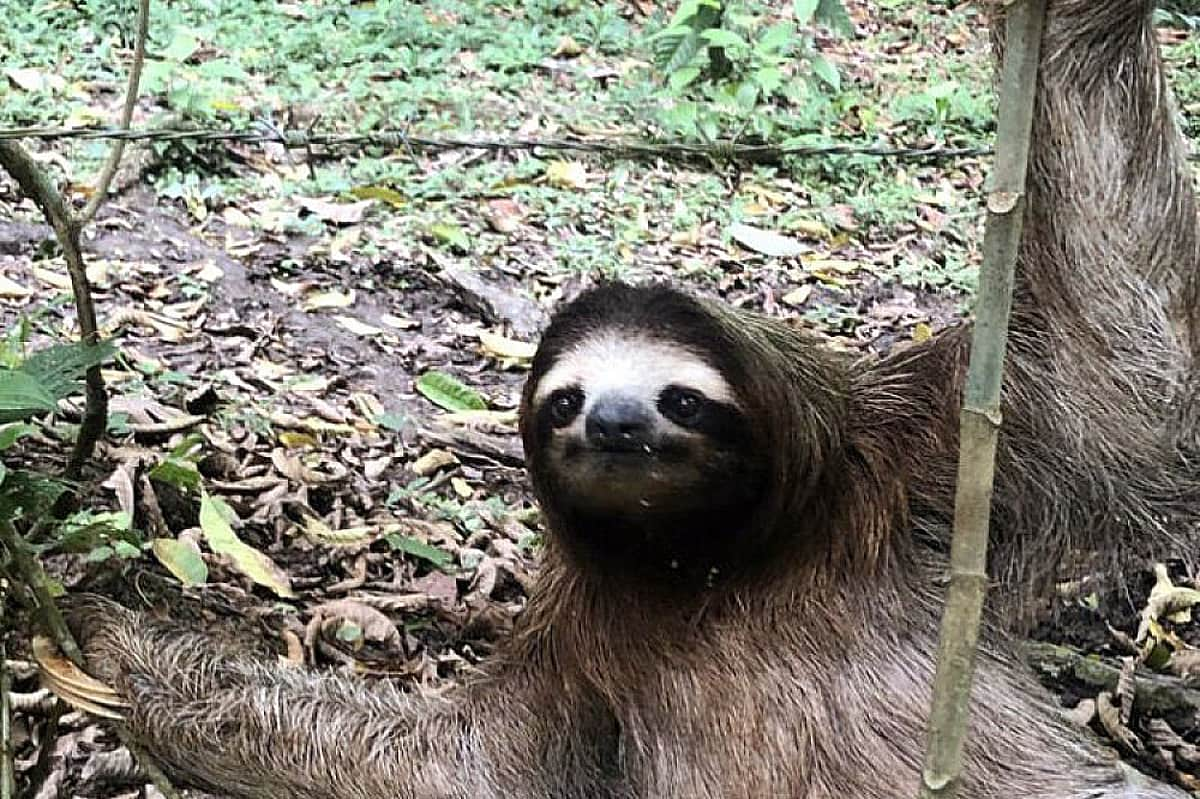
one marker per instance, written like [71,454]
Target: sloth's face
[635,426]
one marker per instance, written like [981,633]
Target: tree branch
[131,97]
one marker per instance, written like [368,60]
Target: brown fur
[804,670]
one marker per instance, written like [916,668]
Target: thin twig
[131,97]
[980,419]
[36,185]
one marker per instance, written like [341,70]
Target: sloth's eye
[681,405]
[565,405]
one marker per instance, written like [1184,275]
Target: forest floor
[297,330]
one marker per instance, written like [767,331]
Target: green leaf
[22,395]
[178,472]
[99,554]
[747,95]
[719,37]
[833,14]
[768,79]
[681,78]
[61,367]
[181,46]
[381,193]
[453,235]
[349,632]
[28,493]
[683,15]
[675,51]
[124,549]
[824,69]
[419,549]
[86,531]
[181,560]
[215,518]
[447,392]
[805,10]
[776,40]
[12,433]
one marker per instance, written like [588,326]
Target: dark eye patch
[683,406]
[720,422]
[562,406]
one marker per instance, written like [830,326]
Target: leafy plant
[36,384]
[721,62]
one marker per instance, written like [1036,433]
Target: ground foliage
[320,354]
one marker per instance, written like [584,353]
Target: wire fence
[308,140]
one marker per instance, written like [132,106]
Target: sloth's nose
[618,423]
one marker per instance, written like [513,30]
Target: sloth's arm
[247,726]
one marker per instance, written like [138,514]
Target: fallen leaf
[1166,600]
[432,461]
[58,280]
[182,559]
[356,327]
[34,80]
[221,539]
[797,297]
[451,234]
[765,241]
[294,440]
[13,290]
[210,272]
[236,217]
[411,546]
[832,265]
[329,299]
[338,213]
[506,348]
[374,625]
[567,47]
[504,215]
[566,174]
[810,227]
[448,392]
[381,193]
[321,532]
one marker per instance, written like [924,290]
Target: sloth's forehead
[633,364]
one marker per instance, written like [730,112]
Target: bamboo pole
[7,755]
[981,418]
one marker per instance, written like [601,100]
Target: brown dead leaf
[432,461]
[1166,600]
[1110,719]
[375,626]
[504,215]
[297,471]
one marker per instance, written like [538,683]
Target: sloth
[727,606]
[740,585]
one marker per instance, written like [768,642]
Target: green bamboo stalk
[981,418]
[7,755]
